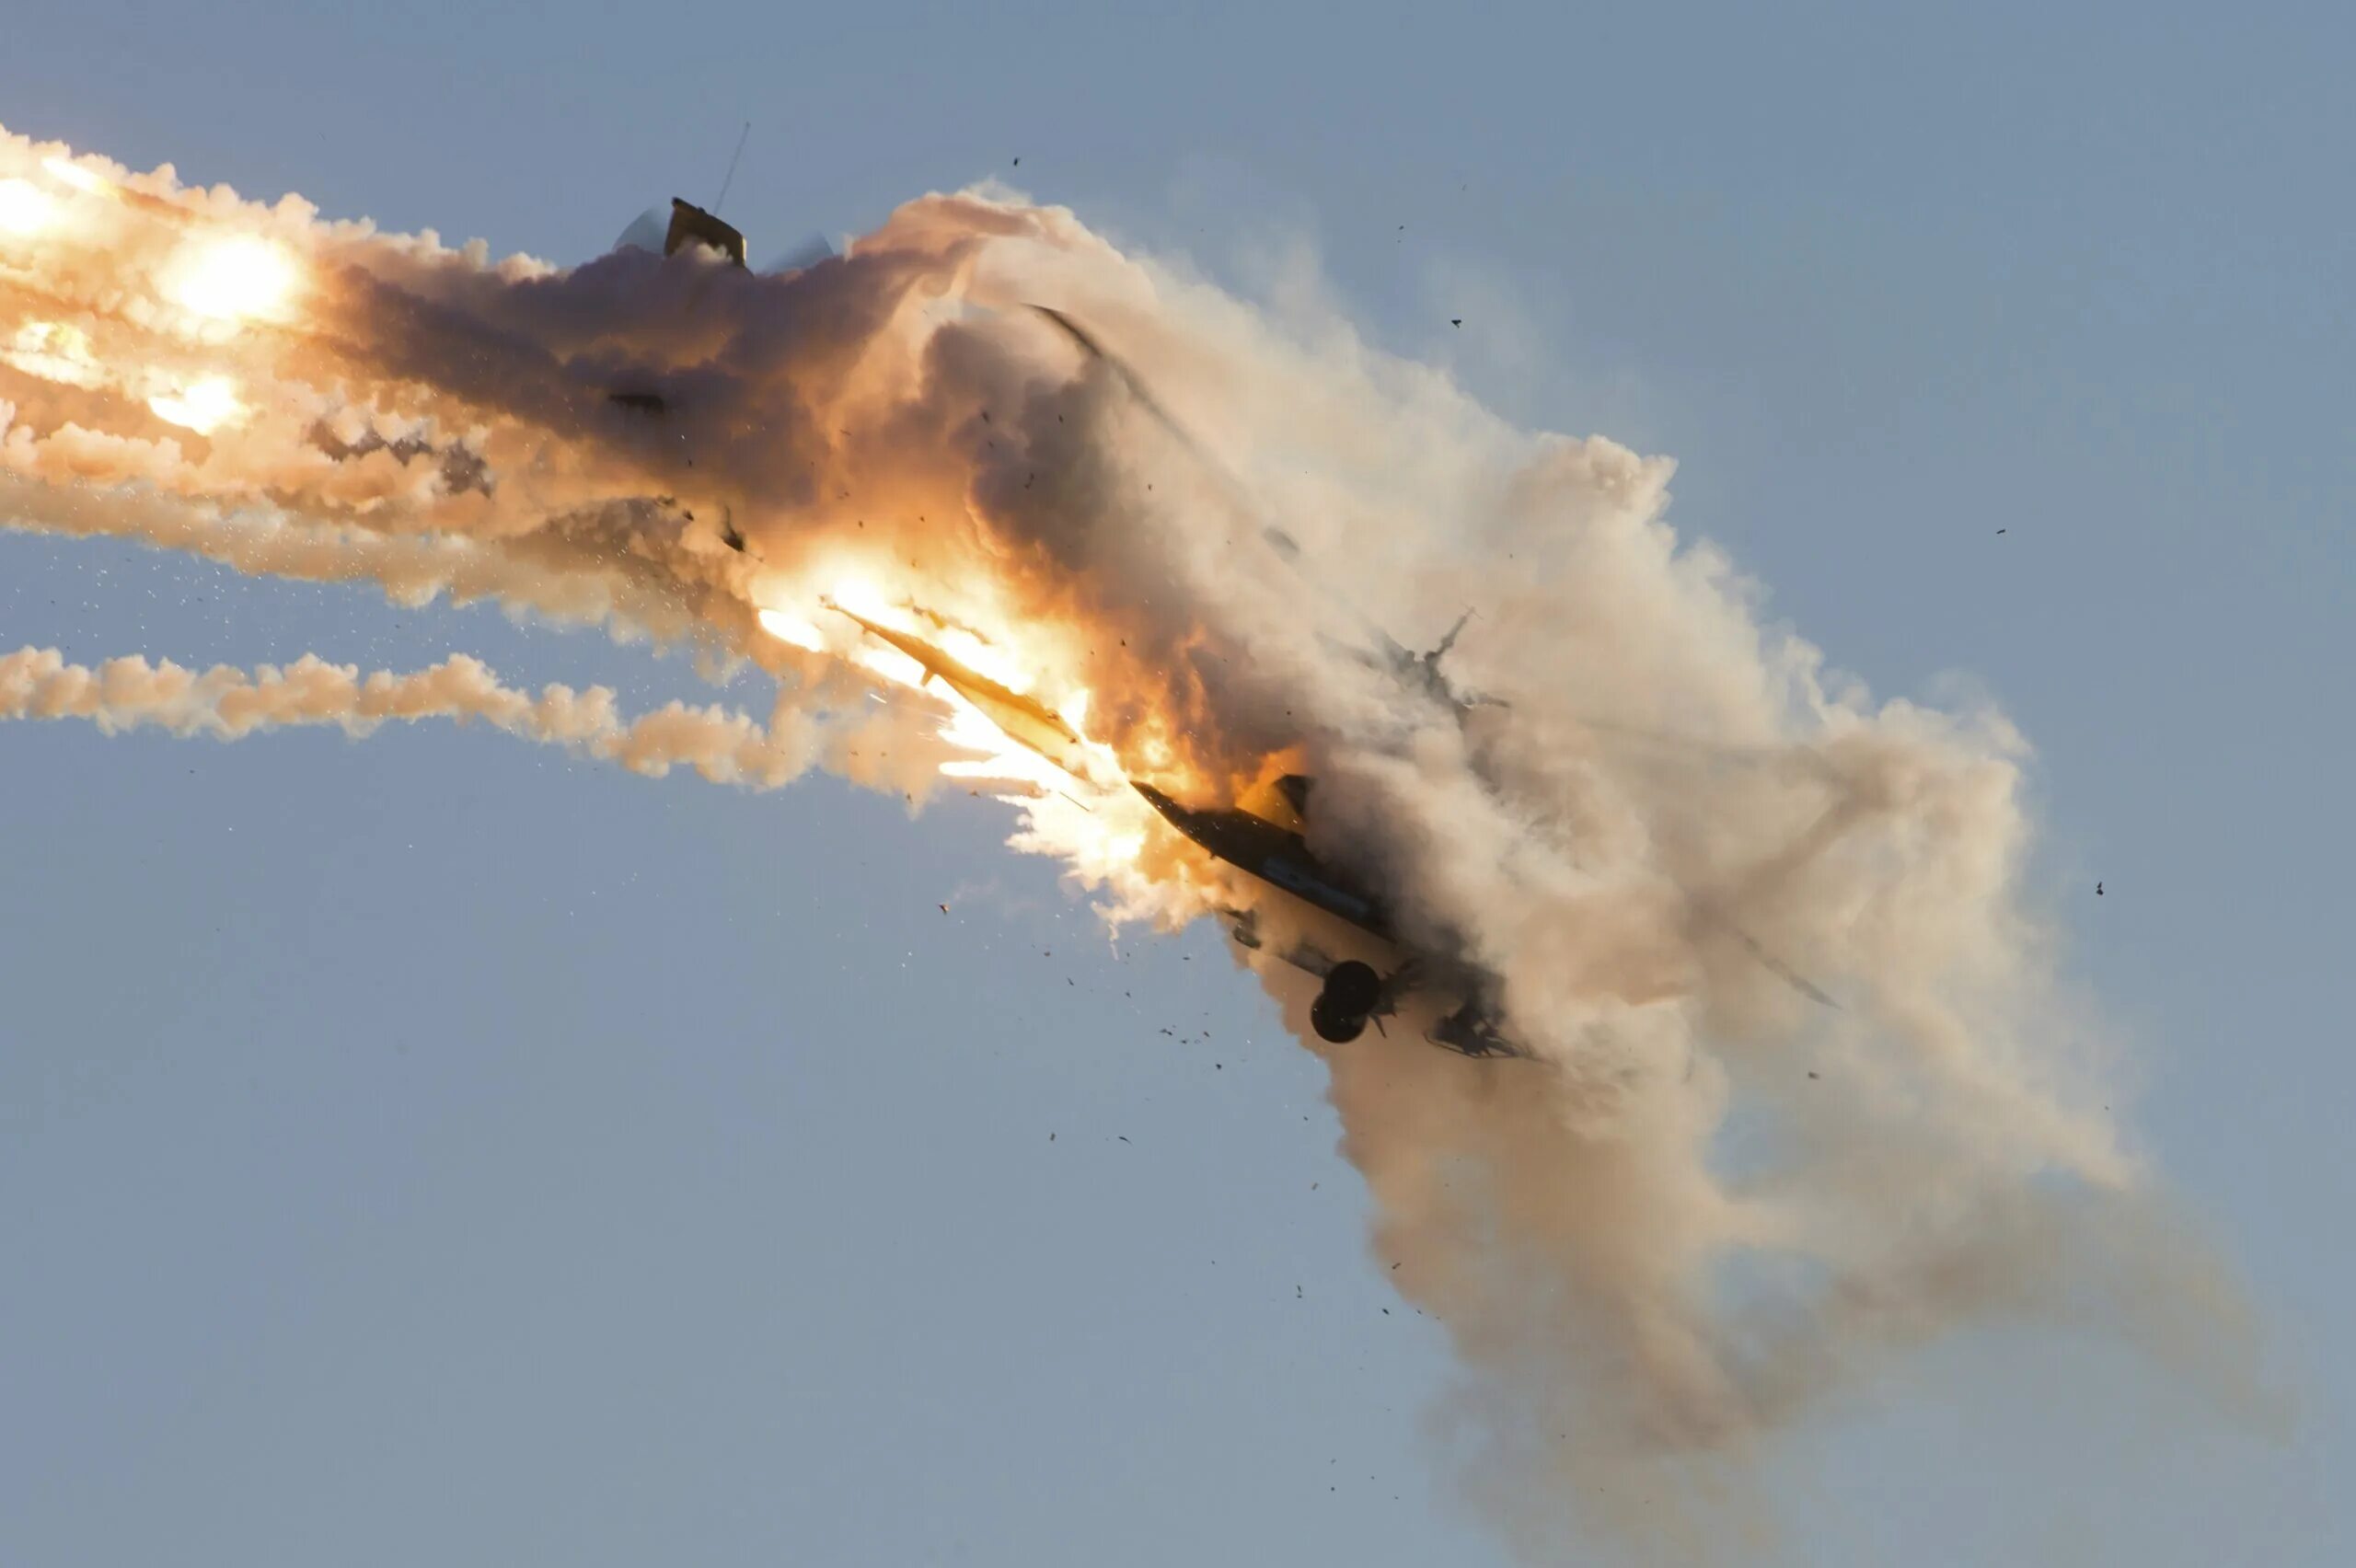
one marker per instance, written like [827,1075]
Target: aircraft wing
[1025,720]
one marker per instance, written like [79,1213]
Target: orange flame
[142,301]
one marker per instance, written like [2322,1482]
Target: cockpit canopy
[1282,801]
[673,229]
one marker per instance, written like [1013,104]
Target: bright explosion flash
[202,406]
[77,177]
[787,627]
[232,278]
[25,208]
[54,351]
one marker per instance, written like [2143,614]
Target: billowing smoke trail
[222,703]
[1714,1205]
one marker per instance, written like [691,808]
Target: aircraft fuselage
[1276,855]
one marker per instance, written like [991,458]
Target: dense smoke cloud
[1711,1205]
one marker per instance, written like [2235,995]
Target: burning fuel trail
[1155,530]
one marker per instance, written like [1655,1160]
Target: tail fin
[1449,640]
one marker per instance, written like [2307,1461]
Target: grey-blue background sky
[429,1151]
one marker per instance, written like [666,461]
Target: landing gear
[1470,1031]
[1340,1012]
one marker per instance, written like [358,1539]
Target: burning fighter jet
[1266,837]
[1349,939]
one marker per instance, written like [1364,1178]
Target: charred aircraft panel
[1276,855]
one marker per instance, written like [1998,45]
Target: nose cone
[1178,815]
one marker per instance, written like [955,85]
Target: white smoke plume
[1711,1207]
[125,695]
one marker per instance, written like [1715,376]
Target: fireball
[25,208]
[231,278]
[787,627]
[204,405]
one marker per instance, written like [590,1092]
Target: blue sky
[432,1150]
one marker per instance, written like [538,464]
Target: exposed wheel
[1352,988]
[1334,1028]
[1340,1012]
